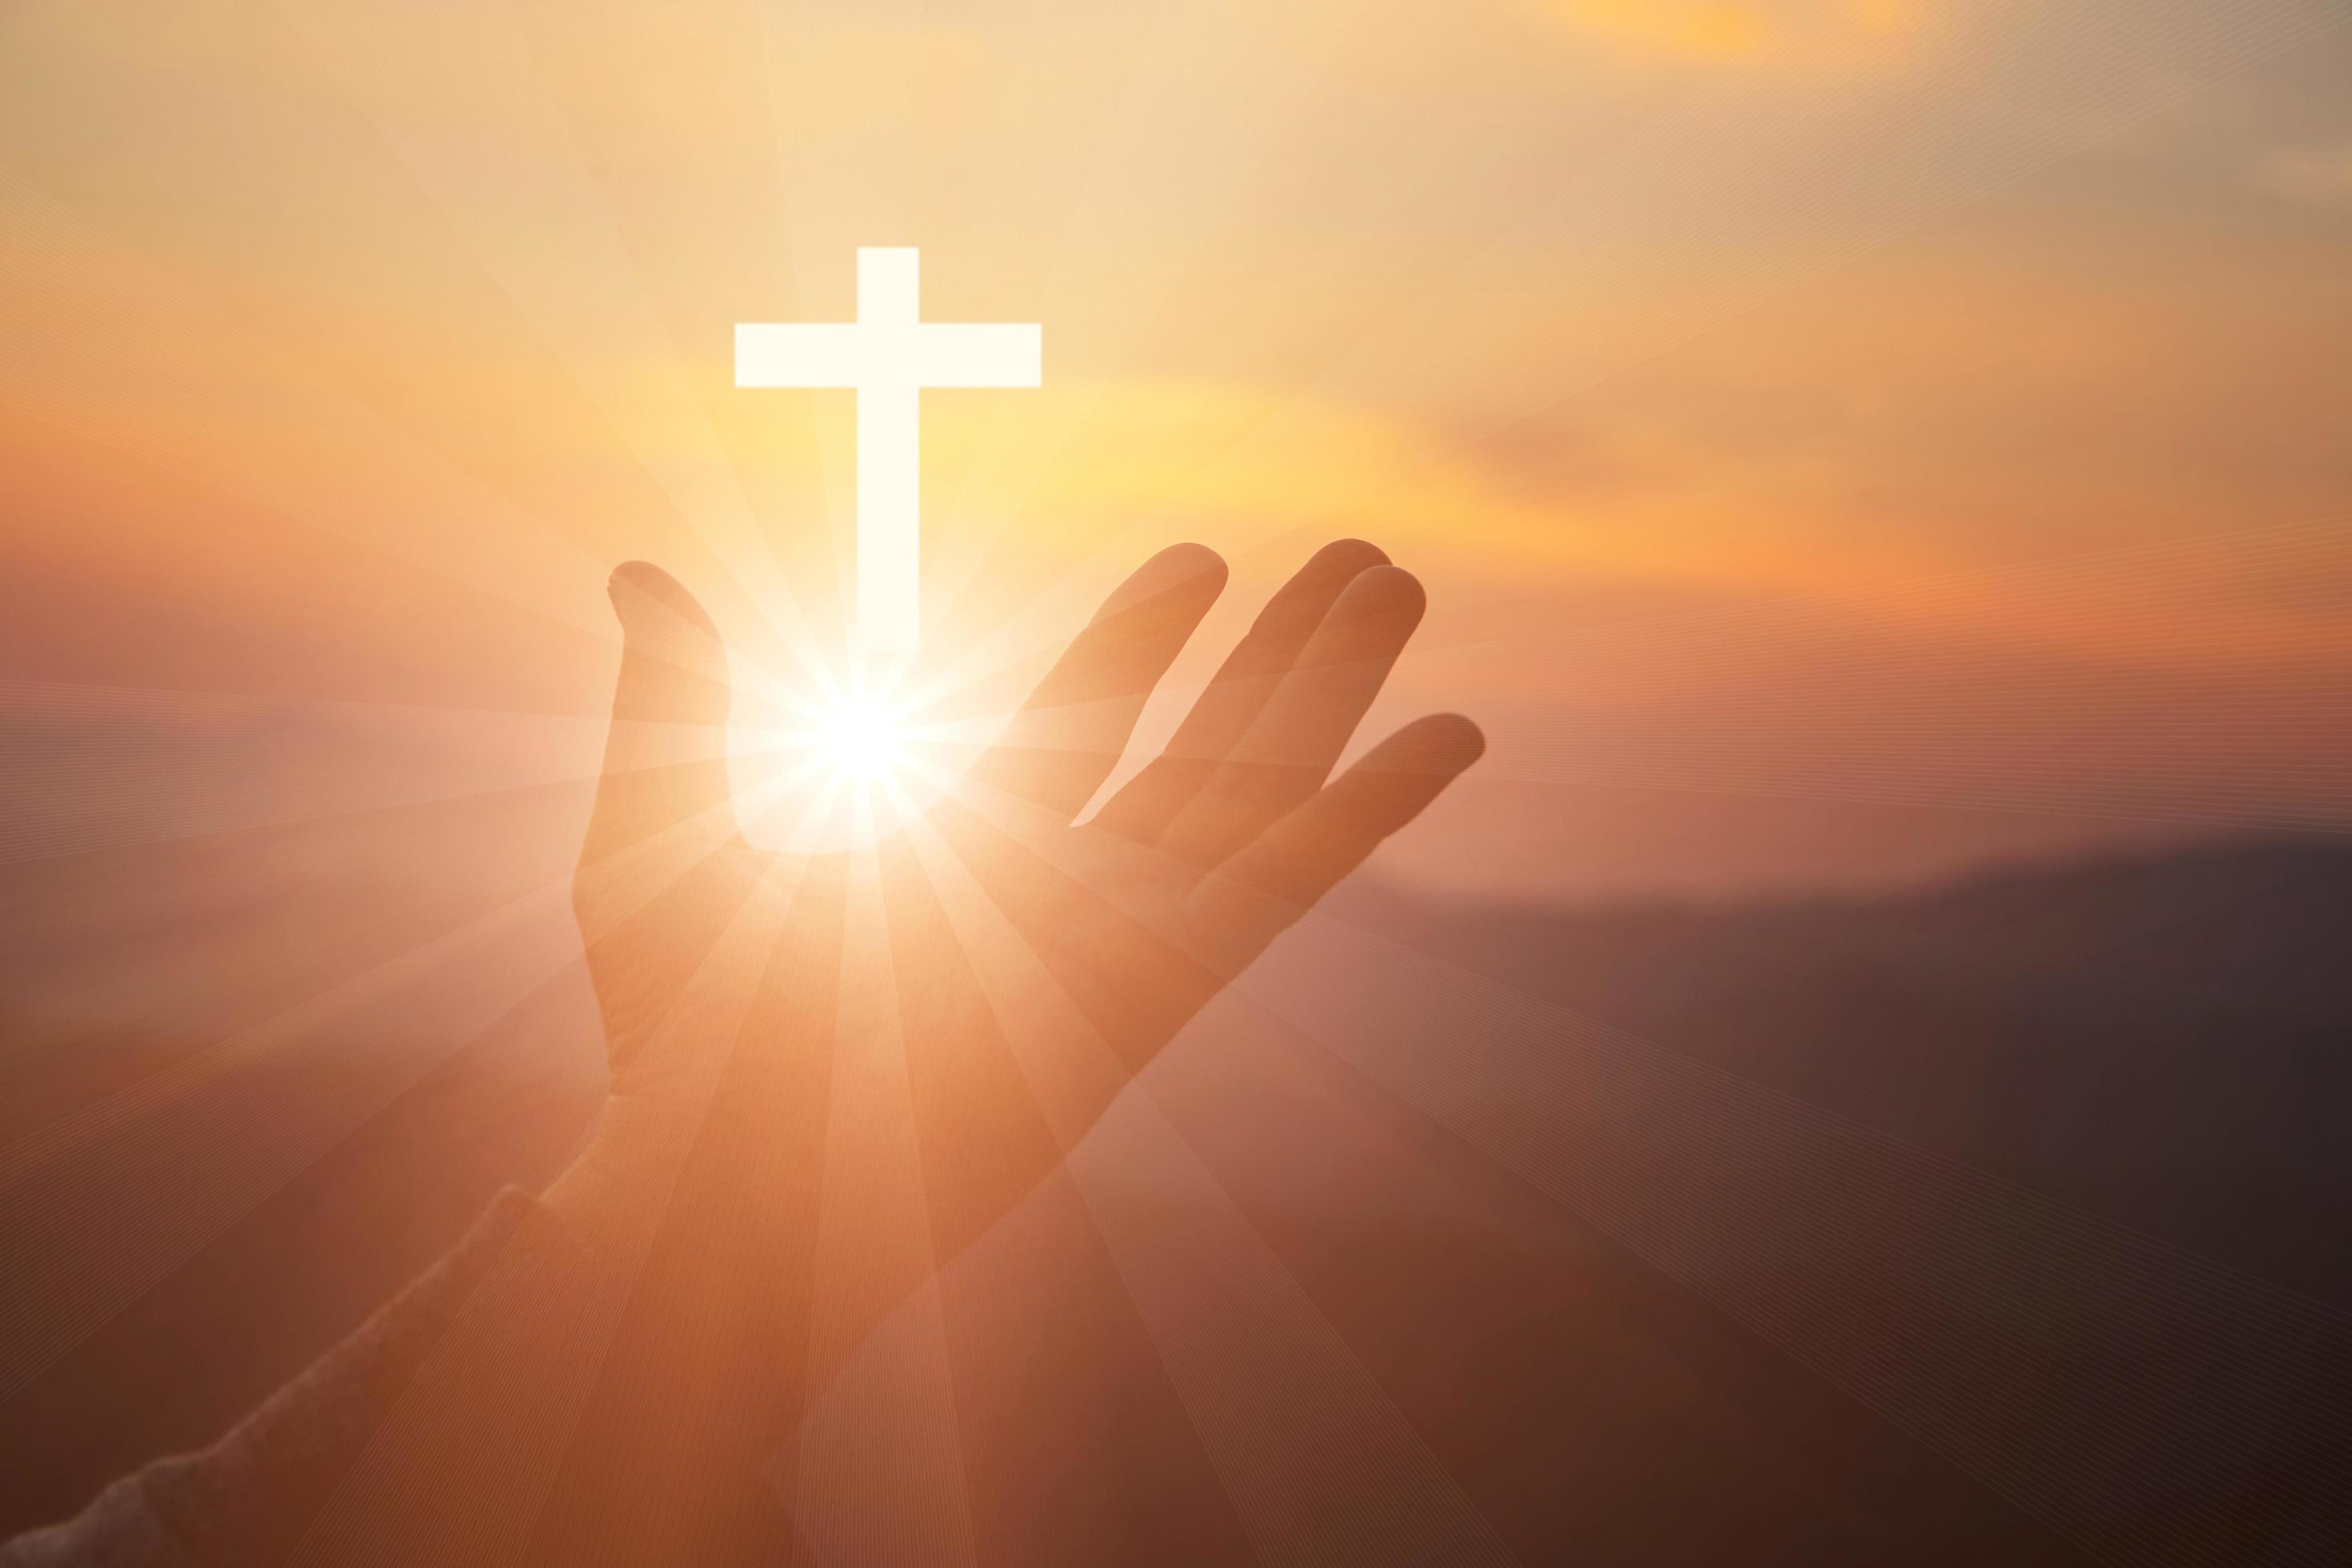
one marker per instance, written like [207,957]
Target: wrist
[609,1197]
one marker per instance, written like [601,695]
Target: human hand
[977,985]
[1130,922]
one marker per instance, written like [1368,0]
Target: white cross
[889,355]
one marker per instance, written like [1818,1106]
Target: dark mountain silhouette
[2158,1042]
[2163,1042]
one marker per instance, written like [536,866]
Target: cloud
[1802,35]
[2310,176]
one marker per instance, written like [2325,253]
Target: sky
[1844,443]
[1848,445]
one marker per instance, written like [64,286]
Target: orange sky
[1844,441]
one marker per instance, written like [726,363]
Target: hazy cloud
[1800,34]
[2314,176]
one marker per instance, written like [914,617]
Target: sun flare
[843,762]
[861,740]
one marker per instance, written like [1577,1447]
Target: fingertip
[1437,744]
[1455,740]
[673,661]
[1384,590]
[1186,569]
[637,585]
[1182,564]
[1192,554]
[1347,556]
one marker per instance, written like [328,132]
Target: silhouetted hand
[996,971]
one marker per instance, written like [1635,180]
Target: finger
[1052,888]
[665,753]
[1068,736]
[1233,700]
[1249,899]
[1305,723]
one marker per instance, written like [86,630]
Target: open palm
[956,1003]
[1134,917]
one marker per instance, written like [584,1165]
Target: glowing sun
[861,740]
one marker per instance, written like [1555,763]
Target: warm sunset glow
[1618,823]
[1602,369]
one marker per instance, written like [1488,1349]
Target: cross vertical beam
[887,356]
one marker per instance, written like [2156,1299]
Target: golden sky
[1842,441]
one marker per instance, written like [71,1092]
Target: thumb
[666,754]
